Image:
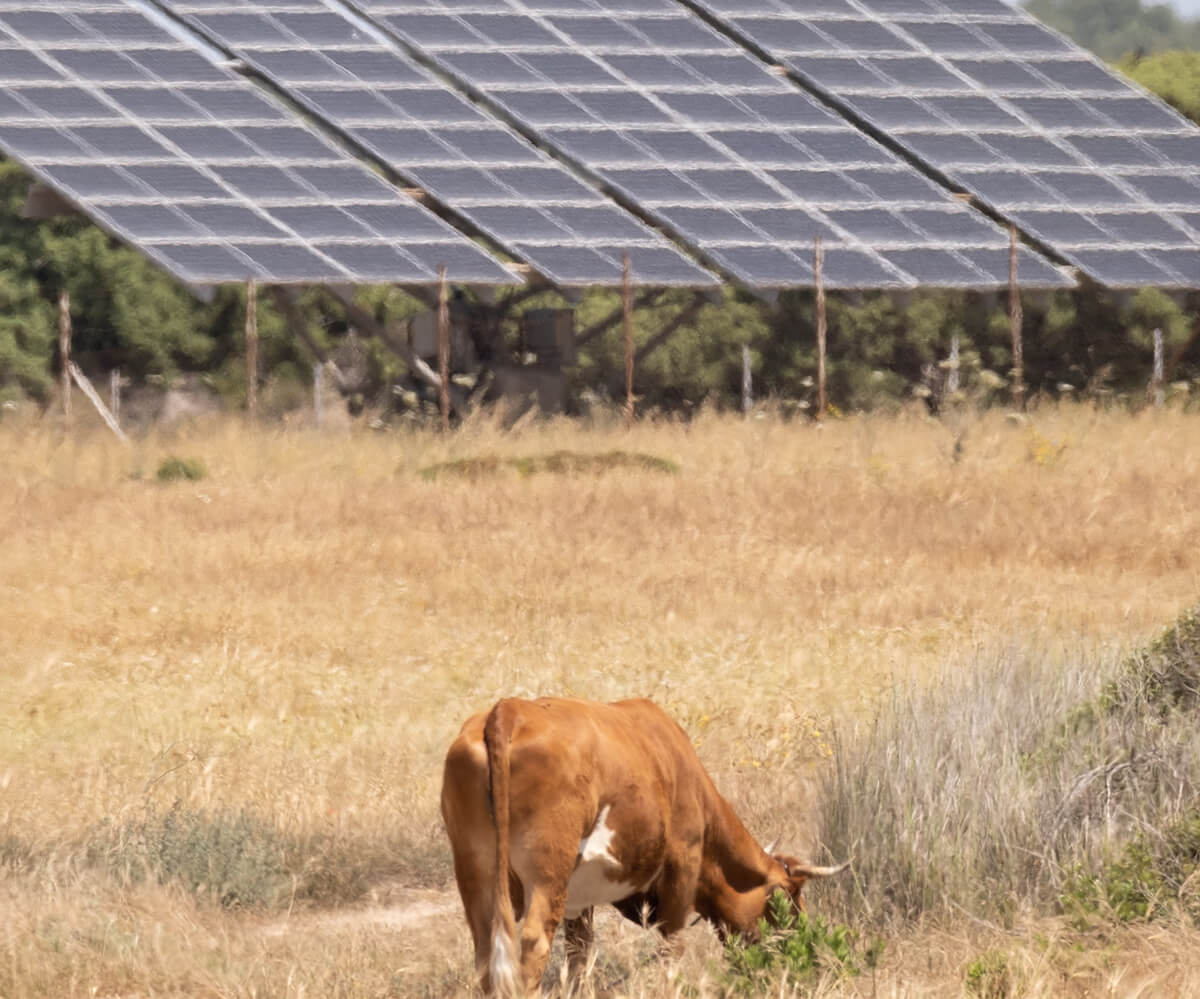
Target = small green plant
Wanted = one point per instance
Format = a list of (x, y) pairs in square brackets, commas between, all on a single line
[(231, 857), (172, 469), (1140, 882), (1166, 674), (789, 943), (15, 853), (989, 977)]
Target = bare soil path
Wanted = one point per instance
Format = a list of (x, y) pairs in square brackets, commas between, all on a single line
[(405, 909)]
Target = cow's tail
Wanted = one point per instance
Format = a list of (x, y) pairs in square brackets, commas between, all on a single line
[(504, 966)]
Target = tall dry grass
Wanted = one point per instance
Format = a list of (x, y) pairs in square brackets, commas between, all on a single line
[(297, 636)]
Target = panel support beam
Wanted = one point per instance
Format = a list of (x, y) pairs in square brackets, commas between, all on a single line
[(397, 343)]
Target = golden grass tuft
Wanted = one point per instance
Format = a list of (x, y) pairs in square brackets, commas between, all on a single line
[(298, 635)]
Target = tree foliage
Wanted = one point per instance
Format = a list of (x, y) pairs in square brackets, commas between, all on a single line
[(1115, 28), (1174, 76)]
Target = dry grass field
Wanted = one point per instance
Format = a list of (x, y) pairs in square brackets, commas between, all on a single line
[(261, 668)]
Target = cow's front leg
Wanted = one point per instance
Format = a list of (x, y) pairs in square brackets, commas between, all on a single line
[(578, 934), (677, 895)]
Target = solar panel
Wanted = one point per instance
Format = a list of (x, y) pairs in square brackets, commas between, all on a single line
[(195, 168), (1012, 112), (683, 122), (358, 78)]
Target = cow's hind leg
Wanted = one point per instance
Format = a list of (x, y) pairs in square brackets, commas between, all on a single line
[(543, 913), (465, 808), (577, 937)]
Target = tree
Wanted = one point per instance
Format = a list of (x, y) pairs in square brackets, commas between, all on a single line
[(1114, 28), (1173, 76)]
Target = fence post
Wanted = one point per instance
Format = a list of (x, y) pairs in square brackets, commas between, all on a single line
[(1016, 320), (1157, 379), (747, 381), (319, 393), (627, 312), (114, 394), (952, 378), (443, 332), (64, 350), (819, 277), (252, 350)]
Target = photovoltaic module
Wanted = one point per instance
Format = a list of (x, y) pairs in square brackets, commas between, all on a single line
[(1014, 113), (342, 69), (738, 162), (196, 167)]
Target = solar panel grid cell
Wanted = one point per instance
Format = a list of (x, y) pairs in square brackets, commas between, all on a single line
[(169, 151), (679, 119), (353, 73), (1005, 107)]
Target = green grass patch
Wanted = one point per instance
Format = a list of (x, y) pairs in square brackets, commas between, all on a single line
[(555, 463), (173, 469)]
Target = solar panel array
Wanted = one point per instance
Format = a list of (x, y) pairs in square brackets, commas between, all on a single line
[(128, 116), (357, 78), (1012, 112), (192, 165), (738, 162)]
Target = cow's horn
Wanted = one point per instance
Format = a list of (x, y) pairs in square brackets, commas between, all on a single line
[(812, 871), (772, 846)]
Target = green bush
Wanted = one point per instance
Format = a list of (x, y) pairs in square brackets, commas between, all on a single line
[(1166, 674), (790, 944), (1143, 881), (232, 858), (989, 977), (172, 469)]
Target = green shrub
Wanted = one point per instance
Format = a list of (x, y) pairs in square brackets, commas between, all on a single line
[(172, 468), (1142, 880), (230, 857), (989, 977), (1166, 674), (790, 944)]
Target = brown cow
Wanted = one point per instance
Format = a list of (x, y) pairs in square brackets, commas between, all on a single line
[(554, 806)]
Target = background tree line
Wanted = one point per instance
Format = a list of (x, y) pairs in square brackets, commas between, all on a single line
[(128, 314)]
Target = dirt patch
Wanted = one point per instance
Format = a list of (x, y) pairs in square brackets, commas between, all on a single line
[(406, 910)]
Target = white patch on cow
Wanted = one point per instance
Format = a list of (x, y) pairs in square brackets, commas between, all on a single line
[(503, 966), (597, 876)]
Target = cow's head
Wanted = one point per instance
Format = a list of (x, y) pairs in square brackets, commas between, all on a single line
[(783, 873), (789, 875)]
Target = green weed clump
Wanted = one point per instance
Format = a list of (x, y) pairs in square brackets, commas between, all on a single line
[(555, 463), (1166, 674), (15, 853), (989, 977), (791, 945), (1149, 877), (232, 858), (173, 469)]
